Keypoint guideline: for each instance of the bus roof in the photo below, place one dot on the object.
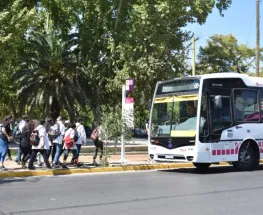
(248, 80)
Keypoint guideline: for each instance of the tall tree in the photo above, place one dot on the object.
(47, 75)
(223, 54)
(143, 39)
(119, 39)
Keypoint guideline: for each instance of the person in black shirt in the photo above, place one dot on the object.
(5, 137)
(25, 145)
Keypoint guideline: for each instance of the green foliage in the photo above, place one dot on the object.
(115, 40)
(223, 54)
(114, 125)
(47, 74)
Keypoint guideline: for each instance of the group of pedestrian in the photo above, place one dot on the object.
(47, 139)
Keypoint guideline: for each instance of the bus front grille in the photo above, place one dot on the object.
(173, 143)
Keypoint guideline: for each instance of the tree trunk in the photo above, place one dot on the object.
(12, 107)
(71, 113)
(96, 114)
(55, 109)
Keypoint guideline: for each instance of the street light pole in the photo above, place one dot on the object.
(193, 56)
(257, 37)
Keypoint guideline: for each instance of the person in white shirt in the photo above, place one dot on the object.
(52, 148)
(42, 147)
(70, 144)
(82, 136)
(58, 142)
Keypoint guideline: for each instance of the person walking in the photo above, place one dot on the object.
(81, 136)
(42, 147)
(96, 136)
(70, 144)
(25, 142)
(51, 129)
(5, 137)
(58, 141)
(18, 135)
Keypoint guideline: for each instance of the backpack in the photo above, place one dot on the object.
(25, 137)
(76, 136)
(34, 138)
(17, 134)
(54, 132)
(68, 142)
(95, 134)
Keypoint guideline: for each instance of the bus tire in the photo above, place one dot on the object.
(248, 159)
(202, 166)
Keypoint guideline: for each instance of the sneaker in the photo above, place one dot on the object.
(55, 165)
(79, 165)
(24, 165)
(18, 162)
(8, 159)
(64, 167)
(40, 165)
(2, 168)
(31, 168)
(48, 167)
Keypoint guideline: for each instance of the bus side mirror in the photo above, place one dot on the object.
(218, 102)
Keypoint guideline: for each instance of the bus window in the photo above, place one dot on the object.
(220, 118)
(161, 119)
(246, 105)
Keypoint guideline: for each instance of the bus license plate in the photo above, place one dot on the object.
(169, 156)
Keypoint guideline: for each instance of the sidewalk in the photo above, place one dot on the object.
(131, 159)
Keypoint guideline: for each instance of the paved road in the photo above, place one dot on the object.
(183, 191)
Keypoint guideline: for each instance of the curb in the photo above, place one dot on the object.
(140, 167)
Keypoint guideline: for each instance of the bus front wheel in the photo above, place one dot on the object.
(202, 166)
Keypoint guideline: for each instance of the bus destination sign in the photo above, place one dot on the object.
(182, 85)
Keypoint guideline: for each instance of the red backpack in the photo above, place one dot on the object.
(95, 134)
(68, 141)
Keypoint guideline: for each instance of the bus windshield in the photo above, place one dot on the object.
(173, 114)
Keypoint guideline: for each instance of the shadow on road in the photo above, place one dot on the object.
(211, 170)
(15, 180)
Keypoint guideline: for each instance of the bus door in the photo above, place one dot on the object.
(220, 120)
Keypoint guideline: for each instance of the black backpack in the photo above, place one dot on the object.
(76, 136)
(25, 137)
(54, 132)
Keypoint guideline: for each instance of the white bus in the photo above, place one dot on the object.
(208, 119)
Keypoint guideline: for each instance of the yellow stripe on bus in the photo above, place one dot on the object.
(176, 99)
(185, 98)
(183, 133)
(164, 100)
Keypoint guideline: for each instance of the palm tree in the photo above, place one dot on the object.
(47, 74)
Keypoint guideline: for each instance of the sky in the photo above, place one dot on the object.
(239, 19)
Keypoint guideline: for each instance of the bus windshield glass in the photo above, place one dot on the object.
(174, 114)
